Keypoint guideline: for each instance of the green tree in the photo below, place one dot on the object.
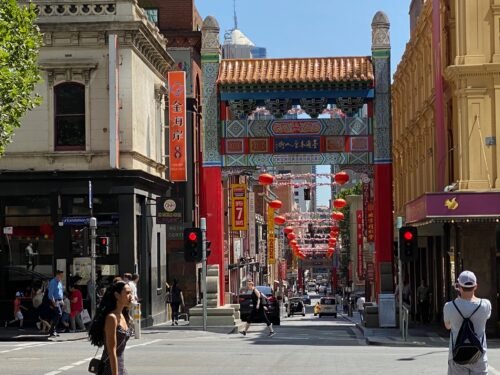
(20, 41)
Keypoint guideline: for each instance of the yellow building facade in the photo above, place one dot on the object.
(446, 121)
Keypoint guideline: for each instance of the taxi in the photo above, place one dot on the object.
(327, 306)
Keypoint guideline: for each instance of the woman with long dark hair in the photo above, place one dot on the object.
(110, 327)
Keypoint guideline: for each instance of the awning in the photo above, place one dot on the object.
(454, 207)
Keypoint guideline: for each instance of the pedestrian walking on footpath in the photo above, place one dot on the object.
(30, 256)
(361, 307)
(423, 302)
(18, 314)
(110, 327)
(258, 310)
(176, 300)
(56, 295)
(478, 311)
(76, 299)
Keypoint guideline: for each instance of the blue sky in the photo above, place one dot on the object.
(313, 28)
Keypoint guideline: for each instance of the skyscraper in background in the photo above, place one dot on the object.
(237, 45)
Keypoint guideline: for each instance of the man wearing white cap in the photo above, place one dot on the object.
(478, 310)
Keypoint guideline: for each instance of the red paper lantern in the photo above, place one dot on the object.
(276, 204)
(335, 229)
(341, 178)
(288, 230)
(337, 215)
(332, 241)
(266, 179)
(293, 242)
(339, 203)
(291, 236)
(279, 220)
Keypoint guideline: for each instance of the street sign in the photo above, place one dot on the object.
(75, 220)
(8, 230)
(90, 194)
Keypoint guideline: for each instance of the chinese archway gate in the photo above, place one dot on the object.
(357, 138)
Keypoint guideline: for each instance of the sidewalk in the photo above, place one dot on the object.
(418, 335)
(33, 334)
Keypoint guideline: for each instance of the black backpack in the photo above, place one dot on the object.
(468, 348)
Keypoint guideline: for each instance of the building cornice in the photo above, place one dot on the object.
(456, 72)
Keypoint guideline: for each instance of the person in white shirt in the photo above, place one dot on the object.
(361, 307)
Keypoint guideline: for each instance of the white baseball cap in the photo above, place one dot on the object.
(467, 279)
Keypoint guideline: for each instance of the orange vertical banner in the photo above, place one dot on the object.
(177, 123)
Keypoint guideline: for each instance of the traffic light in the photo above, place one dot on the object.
(408, 242)
(102, 245)
(193, 245)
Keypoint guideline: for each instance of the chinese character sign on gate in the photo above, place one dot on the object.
(270, 236)
(239, 207)
(359, 243)
(177, 124)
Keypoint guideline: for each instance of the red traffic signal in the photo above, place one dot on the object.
(193, 245)
(192, 236)
(408, 236)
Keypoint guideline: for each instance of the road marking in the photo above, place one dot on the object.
(493, 370)
(81, 362)
(28, 346)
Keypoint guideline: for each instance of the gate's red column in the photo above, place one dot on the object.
(212, 209)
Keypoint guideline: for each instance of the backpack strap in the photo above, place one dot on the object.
(470, 316)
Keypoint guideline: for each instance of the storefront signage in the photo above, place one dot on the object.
(370, 271)
(175, 232)
(169, 210)
(297, 144)
(359, 243)
(177, 123)
(370, 225)
(239, 220)
(251, 224)
(75, 220)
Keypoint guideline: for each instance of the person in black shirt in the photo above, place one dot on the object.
(177, 300)
(258, 310)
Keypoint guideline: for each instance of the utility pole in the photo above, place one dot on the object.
(93, 227)
(203, 227)
(399, 224)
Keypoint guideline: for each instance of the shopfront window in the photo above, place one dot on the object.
(31, 239)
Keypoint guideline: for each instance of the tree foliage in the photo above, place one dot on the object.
(20, 41)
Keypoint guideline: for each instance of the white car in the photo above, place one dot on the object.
(328, 306)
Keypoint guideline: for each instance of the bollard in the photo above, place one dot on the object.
(137, 319)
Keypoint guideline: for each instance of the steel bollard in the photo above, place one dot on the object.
(137, 319)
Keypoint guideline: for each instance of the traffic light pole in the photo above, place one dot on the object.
(399, 225)
(93, 227)
(203, 227)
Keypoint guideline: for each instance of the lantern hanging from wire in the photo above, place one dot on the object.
(339, 203)
(337, 215)
(276, 204)
(291, 236)
(266, 179)
(279, 220)
(288, 230)
(341, 178)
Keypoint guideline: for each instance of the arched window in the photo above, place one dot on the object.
(69, 119)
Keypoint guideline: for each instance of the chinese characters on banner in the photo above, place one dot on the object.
(177, 123)
(239, 207)
(370, 217)
(282, 270)
(366, 200)
(270, 236)
(359, 242)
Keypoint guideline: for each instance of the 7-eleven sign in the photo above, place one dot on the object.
(239, 212)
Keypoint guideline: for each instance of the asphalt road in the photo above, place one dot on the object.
(301, 346)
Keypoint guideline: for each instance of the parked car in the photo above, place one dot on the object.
(273, 310)
(18, 279)
(327, 306)
(296, 306)
(306, 299)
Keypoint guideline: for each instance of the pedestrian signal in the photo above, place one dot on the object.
(193, 245)
(102, 246)
(408, 243)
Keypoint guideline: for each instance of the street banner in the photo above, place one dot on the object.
(270, 236)
(282, 270)
(370, 217)
(252, 231)
(177, 123)
(370, 271)
(366, 200)
(239, 211)
(114, 101)
(359, 243)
